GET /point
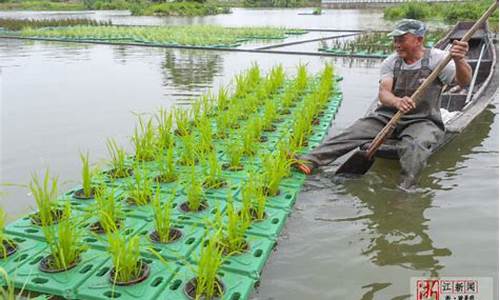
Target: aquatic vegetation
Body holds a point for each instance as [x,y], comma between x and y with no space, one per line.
[88,190]
[214,178]
[162,214]
[108,210]
[7,290]
[194,191]
[18,24]
[125,256]
[234,152]
[189,152]
[182,122]
[192,35]
[140,188]
[6,245]
[276,167]
[144,140]
[118,156]
[207,285]
[222,99]
[253,198]
[65,242]
[45,194]
[205,134]
[166,165]
[164,121]
[233,234]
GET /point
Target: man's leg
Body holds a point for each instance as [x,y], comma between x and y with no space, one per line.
[360,132]
[418,140]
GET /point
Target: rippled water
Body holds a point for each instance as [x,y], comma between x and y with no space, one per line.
[354,239]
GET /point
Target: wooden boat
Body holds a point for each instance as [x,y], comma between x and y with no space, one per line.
[459,107]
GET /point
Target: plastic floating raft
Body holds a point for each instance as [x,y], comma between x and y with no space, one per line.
[171,264]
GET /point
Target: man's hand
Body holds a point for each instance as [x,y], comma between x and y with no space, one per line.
[459,50]
[405,104]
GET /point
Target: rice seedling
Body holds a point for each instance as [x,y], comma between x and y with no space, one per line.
[189,152]
[182,122]
[275,79]
[233,238]
[166,165]
[222,123]
[276,167]
[206,284]
[250,136]
[270,115]
[162,214]
[234,151]
[7,247]
[45,194]
[128,266]
[164,120]
[65,243]
[196,112]
[301,79]
[140,188]
[18,24]
[144,140]
[118,156]
[87,190]
[7,289]
[222,99]
[194,193]
[253,198]
[108,210]
[213,172]
[205,142]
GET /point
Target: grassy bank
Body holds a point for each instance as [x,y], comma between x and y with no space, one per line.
[448,13]
[137,7]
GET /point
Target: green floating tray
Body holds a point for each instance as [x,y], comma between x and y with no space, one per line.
[26,248]
[99,287]
[64,284]
[199,218]
[176,250]
[83,204]
[295,180]
[249,263]
[236,286]
[285,199]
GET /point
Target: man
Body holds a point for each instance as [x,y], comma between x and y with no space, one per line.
[420,128]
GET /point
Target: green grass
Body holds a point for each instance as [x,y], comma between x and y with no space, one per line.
[87,174]
[166,165]
[194,191]
[165,138]
[140,188]
[144,140]
[233,238]
[214,178]
[45,194]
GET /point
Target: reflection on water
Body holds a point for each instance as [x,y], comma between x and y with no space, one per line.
[191,71]
[395,221]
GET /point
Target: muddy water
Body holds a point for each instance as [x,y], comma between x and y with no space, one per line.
[354,239]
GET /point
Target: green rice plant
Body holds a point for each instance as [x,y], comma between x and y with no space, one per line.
[5,243]
[250,136]
[65,241]
[276,167]
[182,122]
[240,86]
[194,191]
[205,142]
[140,188]
[253,198]
[8,291]
[45,194]
[234,151]
[164,122]
[237,224]
[118,156]
[214,178]
[166,165]
[87,174]
[222,99]
[144,140]
[196,112]
[301,79]
[270,114]
[125,256]
[253,76]
[162,214]
[275,79]
[222,123]
[208,286]
[108,209]
[189,152]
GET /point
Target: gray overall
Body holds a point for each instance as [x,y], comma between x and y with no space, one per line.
[419,131]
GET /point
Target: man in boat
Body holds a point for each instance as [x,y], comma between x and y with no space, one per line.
[420,128]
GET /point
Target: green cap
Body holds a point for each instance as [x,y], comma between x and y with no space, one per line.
[405,26]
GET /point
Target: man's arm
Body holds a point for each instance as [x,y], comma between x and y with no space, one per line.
[387,98]
[463,70]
